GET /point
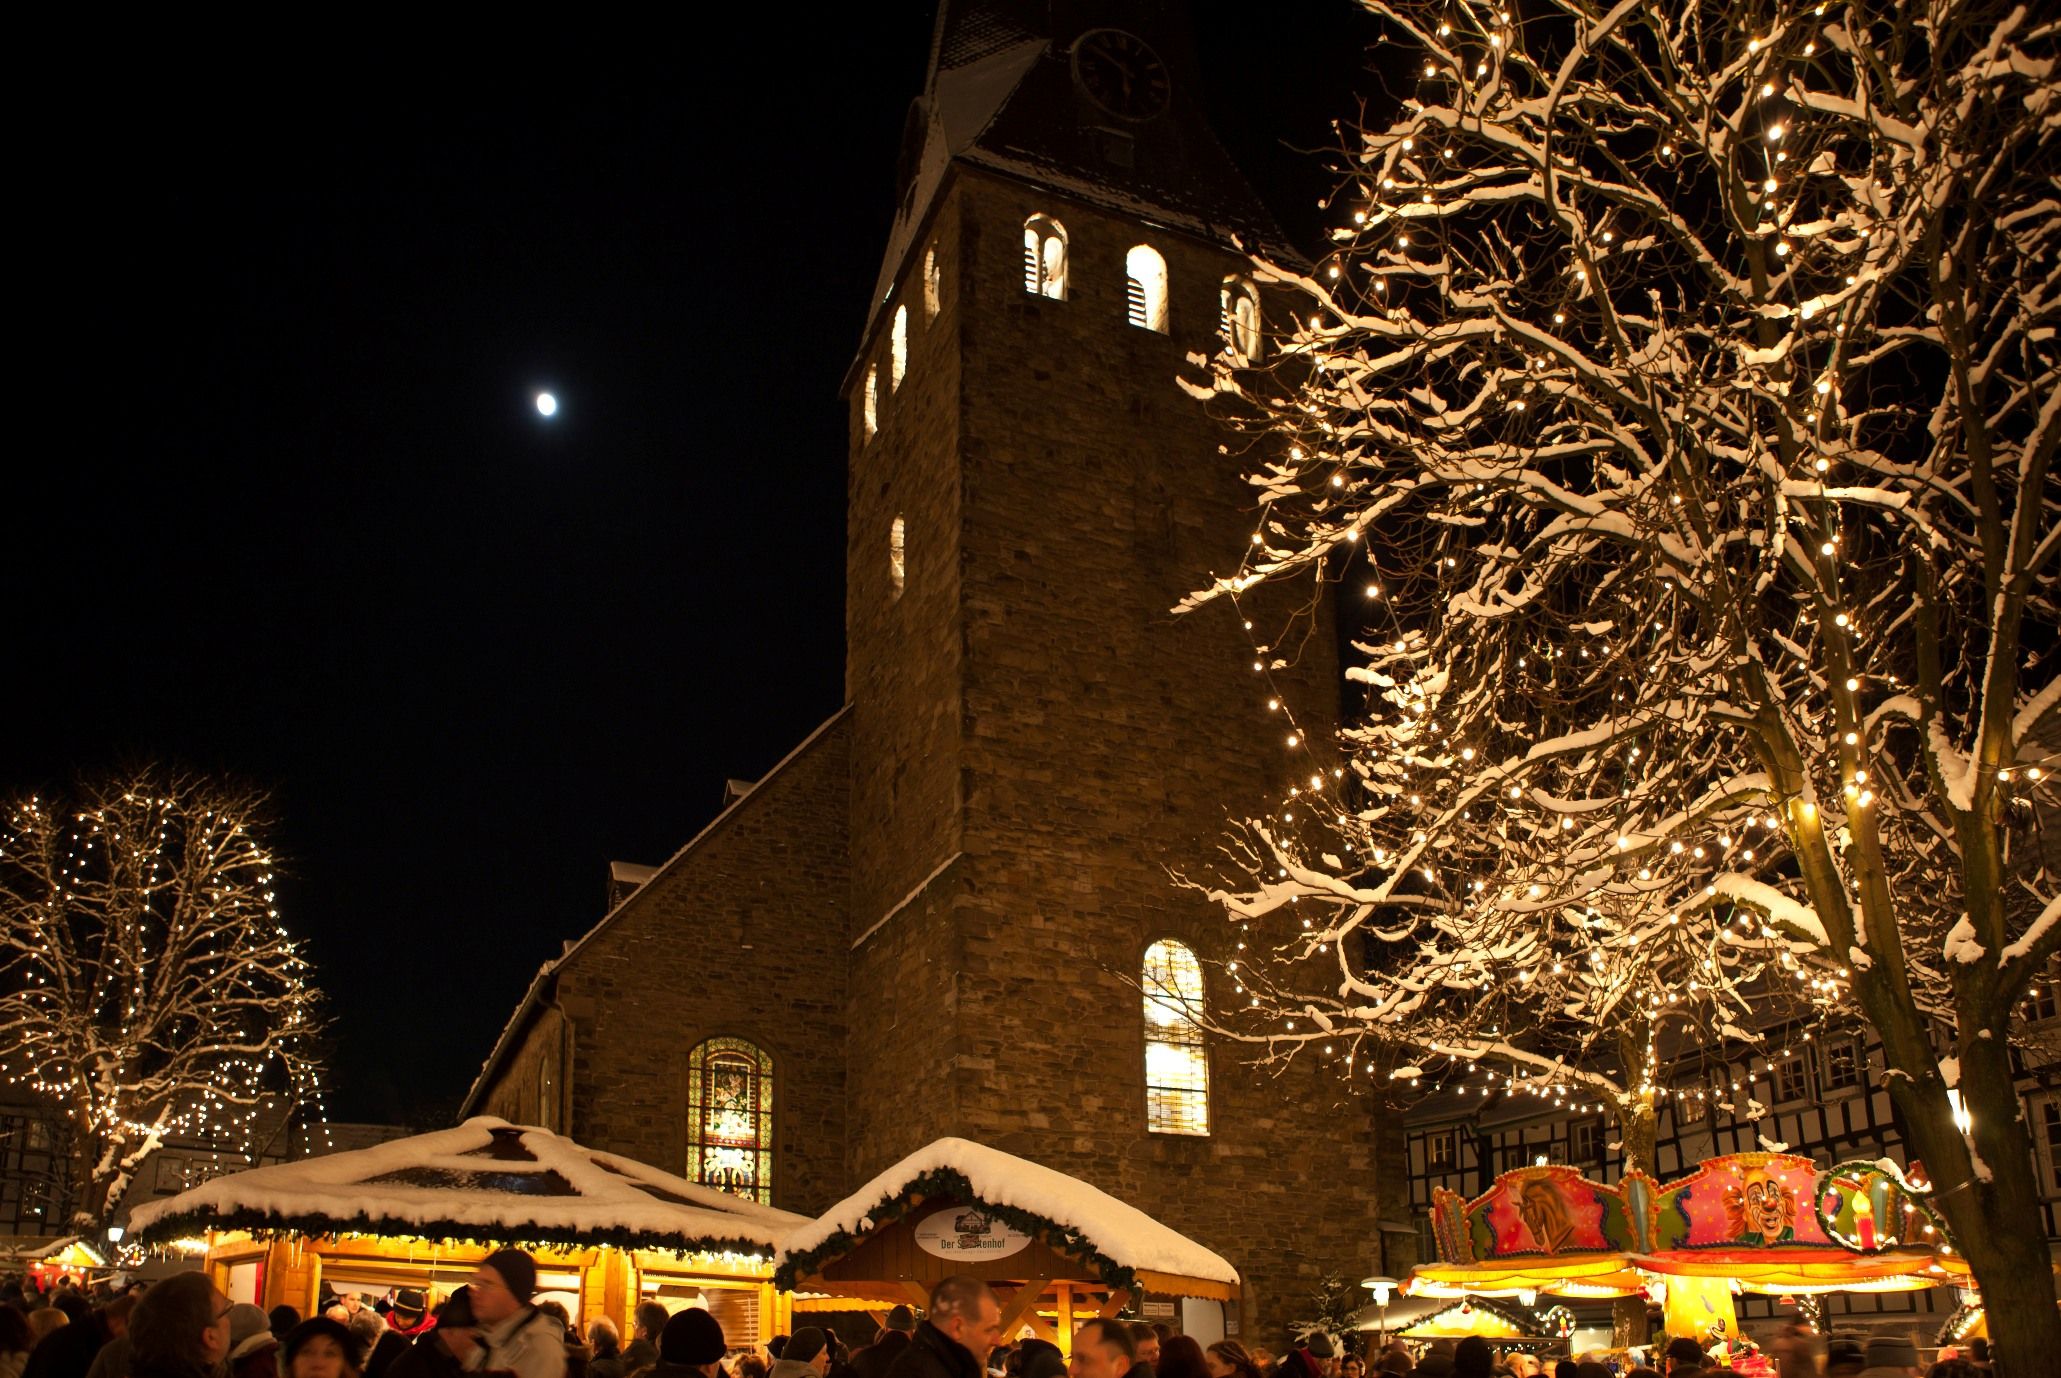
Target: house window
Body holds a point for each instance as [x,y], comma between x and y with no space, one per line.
[2047,1120]
[2043,1000]
[898,351]
[730,1118]
[933,284]
[872,400]
[1239,318]
[1792,1079]
[897,554]
[1441,1151]
[1044,257]
[1842,1064]
[1176,1061]
[1585,1142]
[1145,287]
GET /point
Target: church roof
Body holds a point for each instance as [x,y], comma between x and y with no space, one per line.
[486,1180]
[1001,97]
[1092,1223]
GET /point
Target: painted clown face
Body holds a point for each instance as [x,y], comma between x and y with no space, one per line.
[1760,1206]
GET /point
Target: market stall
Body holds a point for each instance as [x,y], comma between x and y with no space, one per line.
[1745,1222]
[1056,1250]
[606,1231]
[1508,1327]
[51,1256]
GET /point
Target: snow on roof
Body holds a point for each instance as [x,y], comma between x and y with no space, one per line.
[487,1179]
[1120,1231]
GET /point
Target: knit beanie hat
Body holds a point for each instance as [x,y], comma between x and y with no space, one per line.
[901,1318]
[515,1268]
[692,1336]
[245,1321]
[804,1345]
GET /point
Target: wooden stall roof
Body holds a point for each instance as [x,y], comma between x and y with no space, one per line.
[1046,1227]
[485,1181]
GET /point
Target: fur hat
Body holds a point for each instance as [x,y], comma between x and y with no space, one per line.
[692,1336]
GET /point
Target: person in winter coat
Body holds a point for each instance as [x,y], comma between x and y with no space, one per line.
[441,1350]
[647,1322]
[377,1341]
[514,1334]
[964,1324]
[253,1352]
[877,1358]
[323,1348]
[606,1347]
[1472,1358]
[15,1341]
[690,1346]
[68,1351]
[806,1355]
[180,1329]
[1102,1349]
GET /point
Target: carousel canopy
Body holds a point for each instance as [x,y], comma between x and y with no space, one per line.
[1121,1244]
[486,1180]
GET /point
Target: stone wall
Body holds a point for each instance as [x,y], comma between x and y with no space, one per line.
[1101,741]
[741,935]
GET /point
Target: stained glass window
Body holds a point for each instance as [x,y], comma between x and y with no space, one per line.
[730,1118]
[1176,1061]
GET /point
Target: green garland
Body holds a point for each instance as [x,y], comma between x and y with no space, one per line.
[944,1181]
[268,1225]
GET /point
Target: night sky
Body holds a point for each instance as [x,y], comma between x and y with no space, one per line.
[296,519]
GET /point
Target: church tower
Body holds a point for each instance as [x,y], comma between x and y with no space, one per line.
[1035,738]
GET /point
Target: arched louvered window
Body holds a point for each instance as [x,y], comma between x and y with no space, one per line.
[1239,322]
[1145,287]
[1176,1060]
[872,400]
[1044,257]
[898,349]
[933,284]
[730,1118]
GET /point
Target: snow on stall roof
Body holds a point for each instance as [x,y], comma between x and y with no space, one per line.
[506,1181]
[1121,1231]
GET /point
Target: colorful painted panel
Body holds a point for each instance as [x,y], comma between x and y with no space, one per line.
[1743,1200]
[1867,1206]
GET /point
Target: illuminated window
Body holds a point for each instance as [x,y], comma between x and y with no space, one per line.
[1441,1151]
[1585,1142]
[730,1118]
[1145,287]
[897,555]
[1044,257]
[1792,1079]
[933,284]
[898,354]
[872,399]
[1176,1062]
[1239,318]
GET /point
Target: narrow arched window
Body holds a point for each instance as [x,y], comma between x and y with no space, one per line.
[933,284]
[1044,257]
[1145,287]
[898,555]
[872,403]
[898,352]
[1176,1061]
[1239,322]
[730,1118]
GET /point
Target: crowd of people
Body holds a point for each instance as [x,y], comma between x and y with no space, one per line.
[184,1327]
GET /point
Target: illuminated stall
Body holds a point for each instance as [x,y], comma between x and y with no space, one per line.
[1056,1250]
[1746,1222]
[606,1231]
[51,1256]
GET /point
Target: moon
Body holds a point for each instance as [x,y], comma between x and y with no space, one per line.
[547,405]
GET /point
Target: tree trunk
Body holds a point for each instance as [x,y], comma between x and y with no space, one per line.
[1638,1128]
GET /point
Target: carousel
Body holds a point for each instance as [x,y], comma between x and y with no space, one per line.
[1768,1223]
[607,1232]
[1056,1250]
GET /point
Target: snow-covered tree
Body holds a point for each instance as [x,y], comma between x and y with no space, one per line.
[1679,399]
[147,987]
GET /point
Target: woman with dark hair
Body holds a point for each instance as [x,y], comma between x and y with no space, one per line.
[180,1329]
[1228,1359]
[321,1348]
[1180,1357]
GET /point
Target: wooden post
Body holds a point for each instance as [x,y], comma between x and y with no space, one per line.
[1025,1299]
[1113,1303]
[1064,1324]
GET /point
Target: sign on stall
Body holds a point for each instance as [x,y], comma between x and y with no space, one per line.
[962,1232]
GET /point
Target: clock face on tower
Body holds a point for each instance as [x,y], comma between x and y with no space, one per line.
[1121,74]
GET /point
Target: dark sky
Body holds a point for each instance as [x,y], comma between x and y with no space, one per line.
[295,518]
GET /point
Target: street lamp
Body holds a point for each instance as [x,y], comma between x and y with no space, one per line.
[1383,1288]
[114,1234]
